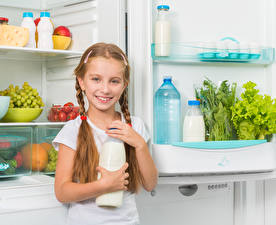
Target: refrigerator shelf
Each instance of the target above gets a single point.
(32, 124)
(190, 160)
(193, 53)
(35, 54)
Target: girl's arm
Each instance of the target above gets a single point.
(68, 191)
(146, 166)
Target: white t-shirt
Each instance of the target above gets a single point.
(87, 212)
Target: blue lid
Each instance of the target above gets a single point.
(193, 102)
(167, 78)
(165, 7)
(44, 14)
(28, 14)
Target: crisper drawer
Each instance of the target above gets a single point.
(27, 149)
(215, 157)
(13, 140)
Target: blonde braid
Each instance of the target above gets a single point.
(79, 97)
(135, 177)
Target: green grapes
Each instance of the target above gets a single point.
(26, 97)
(52, 157)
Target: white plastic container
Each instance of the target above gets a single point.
(112, 158)
(28, 22)
(45, 31)
(162, 32)
(193, 127)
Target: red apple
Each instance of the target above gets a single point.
(62, 31)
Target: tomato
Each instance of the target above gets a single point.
(55, 118)
(56, 108)
(67, 108)
(71, 115)
(76, 109)
(62, 116)
(69, 104)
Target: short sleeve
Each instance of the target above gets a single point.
(139, 126)
(67, 136)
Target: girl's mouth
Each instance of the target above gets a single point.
(103, 99)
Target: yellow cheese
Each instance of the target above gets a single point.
(13, 35)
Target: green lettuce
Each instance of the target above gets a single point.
(254, 115)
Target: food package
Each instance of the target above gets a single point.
(13, 35)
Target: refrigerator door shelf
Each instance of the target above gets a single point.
(195, 53)
(174, 160)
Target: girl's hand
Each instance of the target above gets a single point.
(125, 133)
(115, 180)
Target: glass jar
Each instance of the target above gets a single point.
(4, 21)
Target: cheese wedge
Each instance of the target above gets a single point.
(13, 35)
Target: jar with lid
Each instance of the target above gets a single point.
(193, 127)
(4, 21)
(162, 31)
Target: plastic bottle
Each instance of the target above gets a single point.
(162, 32)
(28, 22)
(193, 127)
(112, 157)
(45, 31)
(167, 109)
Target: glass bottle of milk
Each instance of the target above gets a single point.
(112, 157)
(193, 127)
(162, 32)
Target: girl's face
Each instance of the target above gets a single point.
(103, 83)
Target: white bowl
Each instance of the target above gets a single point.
(4, 105)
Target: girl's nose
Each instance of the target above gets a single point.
(105, 87)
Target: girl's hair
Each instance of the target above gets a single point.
(87, 157)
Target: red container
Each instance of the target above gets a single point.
(62, 113)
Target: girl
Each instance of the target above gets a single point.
(103, 76)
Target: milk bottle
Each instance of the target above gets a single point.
(28, 22)
(112, 157)
(45, 31)
(193, 127)
(162, 32)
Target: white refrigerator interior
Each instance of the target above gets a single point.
(200, 199)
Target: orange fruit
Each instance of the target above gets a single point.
(35, 157)
(46, 145)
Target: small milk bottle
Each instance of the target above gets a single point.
(193, 127)
(28, 22)
(45, 31)
(112, 157)
(162, 32)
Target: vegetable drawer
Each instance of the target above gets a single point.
(215, 157)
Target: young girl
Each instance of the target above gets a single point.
(102, 76)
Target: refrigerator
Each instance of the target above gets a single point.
(230, 198)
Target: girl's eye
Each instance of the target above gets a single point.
(95, 79)
(115, 81)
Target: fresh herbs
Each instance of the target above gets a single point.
(216, 103)
(254, 116)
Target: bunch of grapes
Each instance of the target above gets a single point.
(26, 97)
(52, 156)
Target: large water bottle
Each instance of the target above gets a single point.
(45, 31)
(112, 157)
(167, 113)
(28, 22)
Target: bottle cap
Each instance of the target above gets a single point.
(167, 78)
(163, 7)
(44, 14)
(193, 102)
(27, 14)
